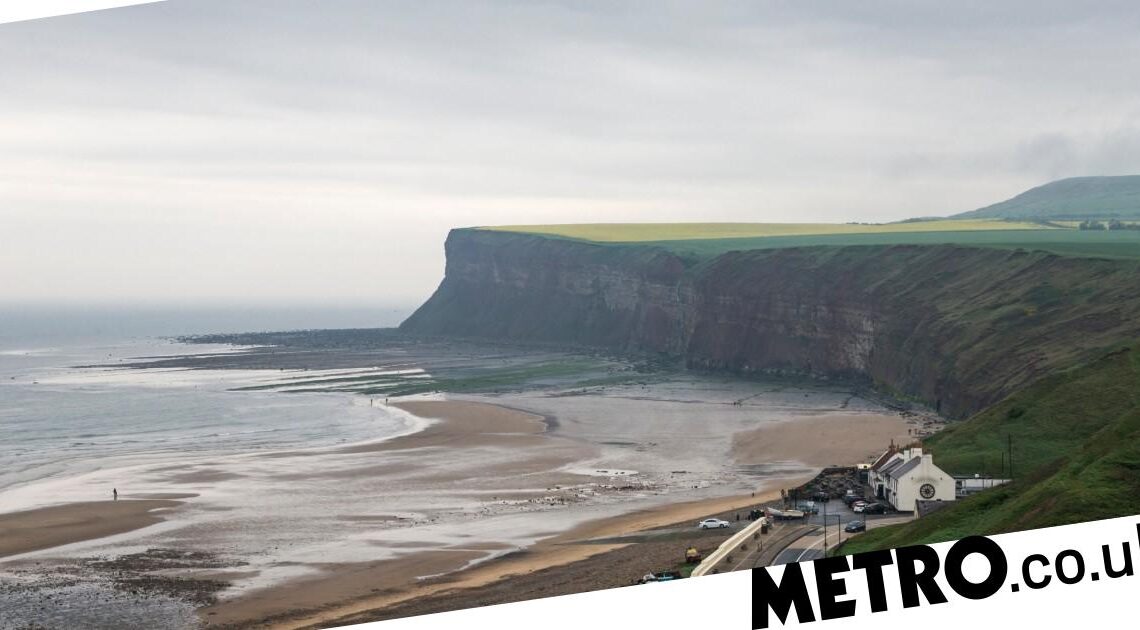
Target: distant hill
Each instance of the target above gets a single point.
(1072, 199)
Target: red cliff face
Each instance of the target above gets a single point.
(957, 327)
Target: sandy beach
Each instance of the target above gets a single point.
(461, 424)
(489, 489)
(560, 551)
(348, 592)
(831, 439)
(44, 528)
(348, 588)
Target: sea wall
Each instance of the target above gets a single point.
(957, 327)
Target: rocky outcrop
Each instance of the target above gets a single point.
(532, 288)
(958, 327)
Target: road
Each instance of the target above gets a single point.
(793, 541)
(814, 544)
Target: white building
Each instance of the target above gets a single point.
(876, 477)
(902, 476)
(972, 485)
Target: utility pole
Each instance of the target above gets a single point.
(825, 529)
(1009, 436)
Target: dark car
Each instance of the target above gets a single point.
(875, 508)
(854, 527)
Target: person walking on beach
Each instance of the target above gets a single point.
(114, 494)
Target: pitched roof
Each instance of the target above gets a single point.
(886, 470)
(887, 454)
(897, 473)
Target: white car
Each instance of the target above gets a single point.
(714, 523)
(858, 506)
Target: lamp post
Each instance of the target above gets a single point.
(825, 526)
(838, 530)
(838, 527)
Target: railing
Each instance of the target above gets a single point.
(727, 547)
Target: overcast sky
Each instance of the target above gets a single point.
(317, 152)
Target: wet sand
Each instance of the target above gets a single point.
(337, 597)
(523, 455)
(463, 424)
(458, 424)
(44, 528)
(342, 594)
(832, 439)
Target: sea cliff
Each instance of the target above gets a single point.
(957, 327)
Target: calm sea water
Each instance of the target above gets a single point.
(57, 420)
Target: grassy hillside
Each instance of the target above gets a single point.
(1074, 198)
(652, 232)
(1094, 244)
(698, 241)
(1076, 448)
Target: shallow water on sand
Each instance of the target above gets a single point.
(266, 483)
(59, 421)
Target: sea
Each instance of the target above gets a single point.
(61, 418)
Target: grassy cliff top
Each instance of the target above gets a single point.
(653, 232)
(700, 241)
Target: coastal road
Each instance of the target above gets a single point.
(780, 537)
(814, 544)
(749, 548)
(807, 547)
(724, 558)
(791, 541)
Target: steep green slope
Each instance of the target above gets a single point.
(1075, 198)
(1076, 446)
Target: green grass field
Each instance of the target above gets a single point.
(651, 232)
(699, 241)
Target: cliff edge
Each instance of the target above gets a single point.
(957, 327)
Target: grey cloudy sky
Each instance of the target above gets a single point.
(197, 151)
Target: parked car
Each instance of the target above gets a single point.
(821, 497)
(874, 508)
(854, 527)
(714, 523)
(660, 576)
(858, 507)
(808, 506)
(852, 499)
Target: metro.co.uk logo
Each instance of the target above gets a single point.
(973, 568)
